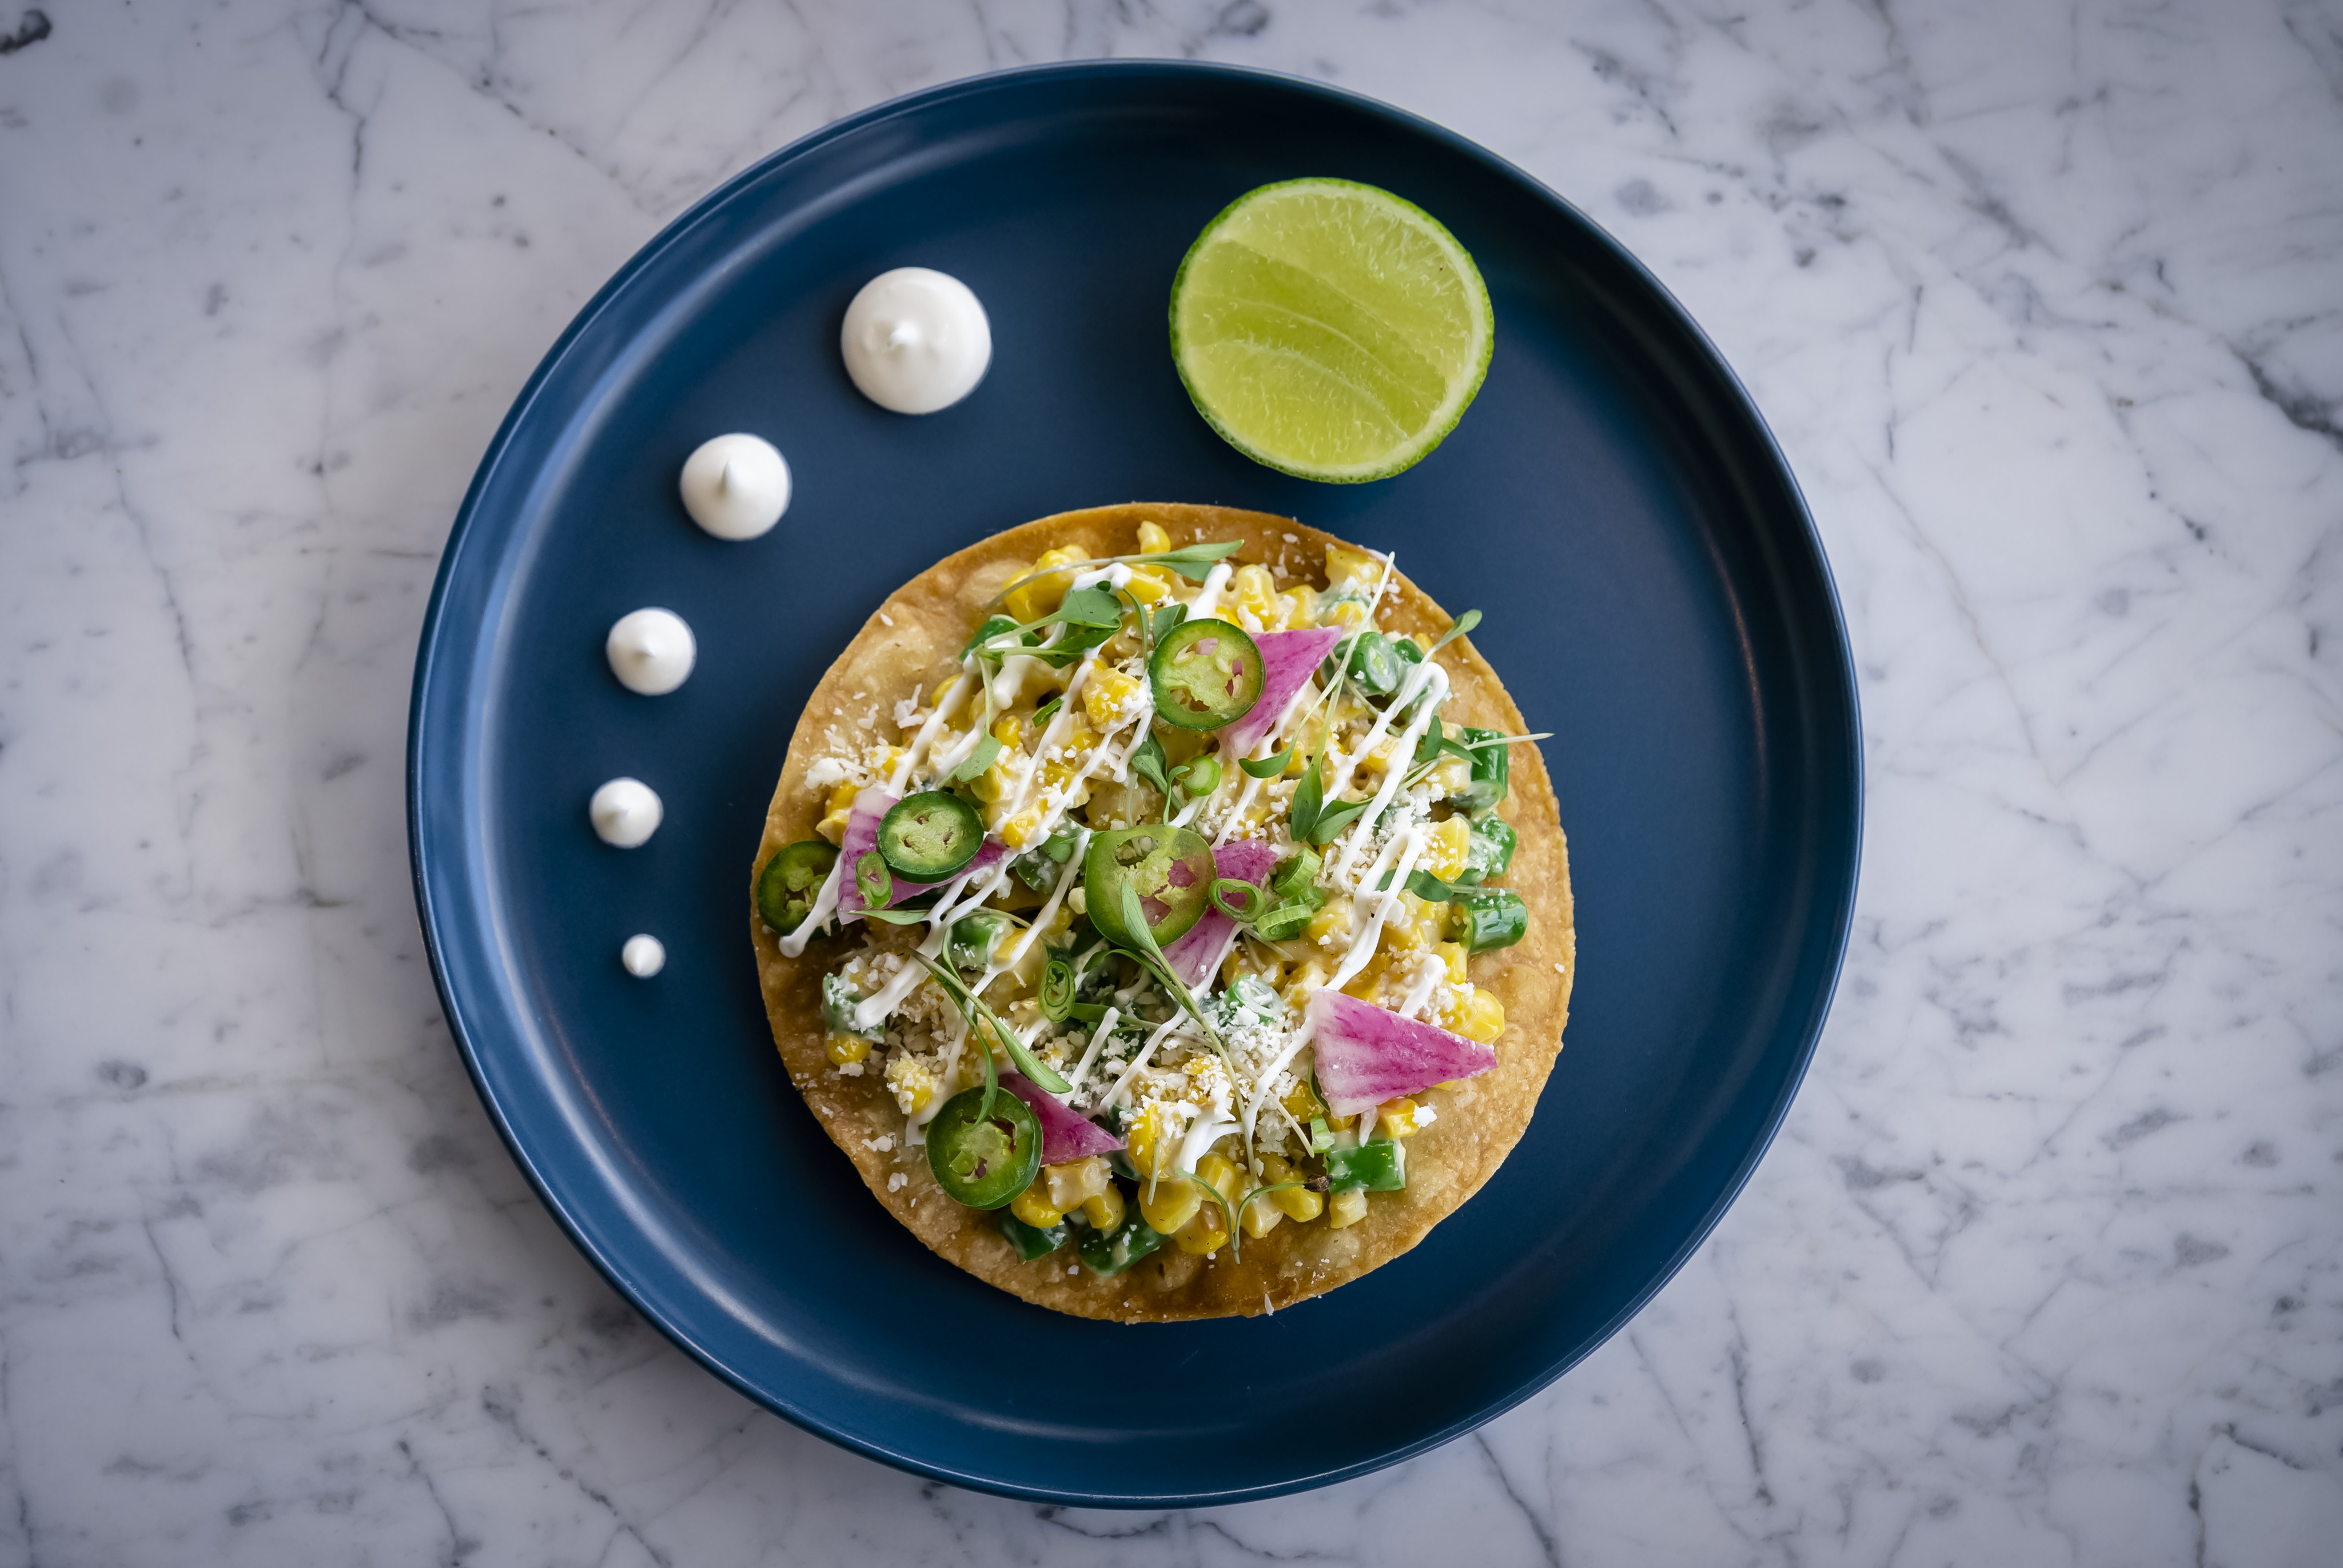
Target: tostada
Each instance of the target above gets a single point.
(1164, 909)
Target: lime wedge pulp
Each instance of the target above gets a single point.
(1329, 329)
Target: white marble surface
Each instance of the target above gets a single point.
(2042, 299)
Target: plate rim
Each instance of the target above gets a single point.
(425, 867)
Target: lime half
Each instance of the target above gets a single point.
(1329, 329)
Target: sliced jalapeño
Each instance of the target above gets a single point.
(931, 837)
(984, 1162)
(1171, 869)
(1205, 674)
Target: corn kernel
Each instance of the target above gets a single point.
(1153, 539)
(1301, 606)
(1033, 1206)
(1207, 1233)
(990, 785)
(1104, 1211)
(1172, 1204)
(1400, 1118)
(1446, 847)
(1142, 1143)
(847, 1048)
(1222, 1174)
(1019, 830)
(1351, 568)
(1453, 955)
(1010, 730)
(1347, 614)
(1107, 695)
(1150, 584)
(1296, 1204)
(911, 1084)
(832, 825)
(1453, 776)
(1306, 978)
(1480, 1016)
(1362, 984)
(1302, 1103)
(1411, 926)
(1045, 594)
(1332, 920)
(1076, 1181)
(1344, 1209)
(1259, 1218)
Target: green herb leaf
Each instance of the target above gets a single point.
(1167, 615)
(978, 761)
(1470, 747)
(1464, 627)
(973, 1007)
(1430, 889)
(1428, 748)
(1334, 818)
(1194, 562)
(1308, 796)
(1092, 606)
(1268, 766)
(896, 916)
(1047, 712)
(1147, 761)
(994, 625)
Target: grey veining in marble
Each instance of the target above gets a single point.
(2045, 300)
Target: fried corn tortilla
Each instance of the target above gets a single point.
(911, 643)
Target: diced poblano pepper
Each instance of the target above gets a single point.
(1377, 1167)
(1030, 1242)
(1112, 1254)
(1489, 852)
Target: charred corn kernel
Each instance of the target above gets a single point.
(911, 1084)
(1109, 696)
(1010, 730)
(1033, 1206)
(1153, 539)
(1045, 594)
(1207, 1233)
(1076, 1181)
(1351, 568)
(1446, 846)
(1302, 1103)
(1402, 1119)
(1172, 1204)
(1104, 1211)
(847, 1048)
(1479, 1016)
(1255, 589)
(1296, 1204)
(1453, 955)
(1331, 920)
(1301, 606)
(1018, 831)
(1150, 584)
(1306, 977)
(1345, 1209)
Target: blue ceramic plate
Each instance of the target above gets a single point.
(1654, 593)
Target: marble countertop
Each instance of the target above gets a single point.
(2046, 305)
